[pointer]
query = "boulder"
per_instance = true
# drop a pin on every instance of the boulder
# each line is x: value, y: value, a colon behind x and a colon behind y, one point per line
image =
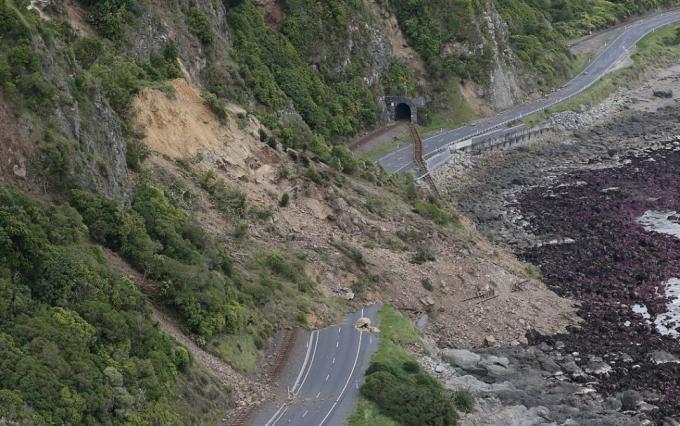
x: 598, y: 368
x: 613, y: 404
x: 461, y: 358
x: 363, y: 323
x: 489, y: 341
x: 630, y: 400
x: 665, y: 94
x: 498, y: 360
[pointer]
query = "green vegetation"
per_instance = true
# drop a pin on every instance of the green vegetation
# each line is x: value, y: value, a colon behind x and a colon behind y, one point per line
x: 659, y: 48
x: 399, y: 80
x: 199, y: 25
x: 275, y: 72
x: 431, y: 209
x: 159, y: 239
x: 449, y: 108
x: 77, y: 344
x: 430, y: 25
x: 464, y: 400
x: 285, y: 199
x: 397, y: 390
x: 396, y: 328
x: 109, y: 17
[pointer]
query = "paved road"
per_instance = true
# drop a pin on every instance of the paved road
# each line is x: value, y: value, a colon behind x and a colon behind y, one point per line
x: 402, y: 159
x: 326, y: 371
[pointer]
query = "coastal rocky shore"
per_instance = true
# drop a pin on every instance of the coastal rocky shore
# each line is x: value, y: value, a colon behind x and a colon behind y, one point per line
x: 597, y: 208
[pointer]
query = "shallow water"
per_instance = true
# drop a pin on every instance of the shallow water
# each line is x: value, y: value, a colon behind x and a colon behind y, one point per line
x: 667, y: 322
x: 659, y: 221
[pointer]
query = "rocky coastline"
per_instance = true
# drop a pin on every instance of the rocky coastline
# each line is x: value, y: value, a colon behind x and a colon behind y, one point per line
x: 595, y: 207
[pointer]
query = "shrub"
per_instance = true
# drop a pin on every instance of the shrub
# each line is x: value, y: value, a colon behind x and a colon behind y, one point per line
x: 109, y: 17
x: 59, y: 298
x: 285, y: 200
x: 260, y: 213
x: 163, y: 64
x: 411, y: 398
x: 215, y: 105
x: 314, y: 176
x: 229, y: 201
x: 135, y: 154
x: 432, y: 211
x: 423, y: 254
x: 464, y: 400
x: 199, y: 25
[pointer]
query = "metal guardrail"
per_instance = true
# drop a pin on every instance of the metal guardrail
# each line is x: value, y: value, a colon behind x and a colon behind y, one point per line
x: 549, y: 104
x: 420, y: 161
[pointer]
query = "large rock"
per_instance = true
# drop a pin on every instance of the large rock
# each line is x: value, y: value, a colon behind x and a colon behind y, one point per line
x: 479, y: 387
x: 461, y: 358
x: 630, y: 400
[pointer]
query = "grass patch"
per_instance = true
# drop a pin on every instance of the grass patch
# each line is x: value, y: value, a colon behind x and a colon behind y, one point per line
x: 238, y: 350
x: 453, y: 111
x: 383, y: 149
x: 660, y: 48
x: 396, y: 327
x: 202, y: 399
x: 367, y: 413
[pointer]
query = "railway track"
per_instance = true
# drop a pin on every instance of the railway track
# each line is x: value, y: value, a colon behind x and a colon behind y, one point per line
x: 420, y: 160
x: 241, y: 415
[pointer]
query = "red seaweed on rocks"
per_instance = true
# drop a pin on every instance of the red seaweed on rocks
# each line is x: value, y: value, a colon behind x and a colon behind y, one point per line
x: 613, y: 265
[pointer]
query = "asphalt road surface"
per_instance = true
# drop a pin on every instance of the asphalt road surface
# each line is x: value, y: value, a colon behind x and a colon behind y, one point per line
x: 323, y: 376
x: 402, y: 159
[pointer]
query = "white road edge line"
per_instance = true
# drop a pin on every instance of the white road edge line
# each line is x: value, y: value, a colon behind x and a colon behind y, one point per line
x: 351, y: 373
x: 601, y: 53
x: 276, y: 416
x: 310, y: 364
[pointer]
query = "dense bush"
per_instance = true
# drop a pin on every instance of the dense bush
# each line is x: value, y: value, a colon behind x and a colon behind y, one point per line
x: 215, y: 105
x: 397, y: 385
x: 199, y: 25
x: 109, y: 17
x: 399, y: 81
x: 160, y: 240
x: 431, y: 210
x: 77, y: 345
x: 275, y: 72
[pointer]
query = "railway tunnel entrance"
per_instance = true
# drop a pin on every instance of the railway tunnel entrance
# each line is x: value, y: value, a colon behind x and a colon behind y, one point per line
x: 400, y: 108
x: 402, y: 113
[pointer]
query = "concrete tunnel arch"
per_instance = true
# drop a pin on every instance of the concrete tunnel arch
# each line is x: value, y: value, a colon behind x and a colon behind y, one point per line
x: 400, y: 108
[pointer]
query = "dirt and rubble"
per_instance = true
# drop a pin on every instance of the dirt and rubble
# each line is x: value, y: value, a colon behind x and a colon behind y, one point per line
x: 594, y: 207
x: 359, y: 241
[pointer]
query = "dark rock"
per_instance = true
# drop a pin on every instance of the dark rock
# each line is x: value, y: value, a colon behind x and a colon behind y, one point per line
x: 666, y: 94
x: 630, y: 399
x: 613, y: 404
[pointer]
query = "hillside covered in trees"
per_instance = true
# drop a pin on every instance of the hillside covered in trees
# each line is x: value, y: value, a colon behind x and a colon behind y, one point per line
x: 216, y: 233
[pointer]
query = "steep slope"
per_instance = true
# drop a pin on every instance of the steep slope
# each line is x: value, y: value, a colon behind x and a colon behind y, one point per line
x: 201, y: 142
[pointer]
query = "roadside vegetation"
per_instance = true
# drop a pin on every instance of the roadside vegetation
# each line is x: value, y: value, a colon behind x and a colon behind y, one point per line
x: 396, y: 390
x: 77, y: 342
x: 658, y: 49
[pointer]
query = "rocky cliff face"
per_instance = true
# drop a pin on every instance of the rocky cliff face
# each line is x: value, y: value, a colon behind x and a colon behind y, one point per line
x: 508, y: 82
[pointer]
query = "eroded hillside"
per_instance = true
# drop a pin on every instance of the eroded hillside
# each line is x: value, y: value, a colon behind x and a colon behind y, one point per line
x: 178, y: 169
